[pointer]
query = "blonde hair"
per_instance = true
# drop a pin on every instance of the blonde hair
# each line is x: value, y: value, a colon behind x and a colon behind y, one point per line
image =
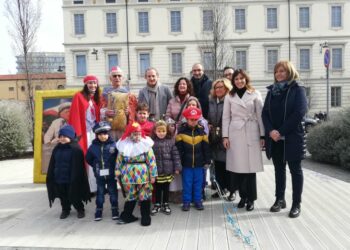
x: 161, y: 123
x: 292, y: 73
x: 225, y: 81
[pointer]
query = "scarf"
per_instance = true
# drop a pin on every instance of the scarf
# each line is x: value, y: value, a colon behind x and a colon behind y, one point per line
x: 153, y: 94
x: 279, y: 87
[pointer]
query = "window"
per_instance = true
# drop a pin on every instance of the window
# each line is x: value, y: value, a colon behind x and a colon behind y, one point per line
x: 208, y: 60
x: 304, y: 59
x: 241, y: 59
x: 271, y: 14
x: 336, y: 17
x: 11, y: 89
x: 304, y: 17
x: 335, y: 96
x: 145, y: 62
x: 112, y: 61
x: 272, y: 58
x: 208, y: 18
x: 143, y: 22
x: 110, y: 1
x: 176, y: 63
x: 79, y: 28
x: 337, y: 59
x: 175, y: 17
x: 111, y: 23
x: 80, y: 65
x: 240, y: 19
x: 78, y: 2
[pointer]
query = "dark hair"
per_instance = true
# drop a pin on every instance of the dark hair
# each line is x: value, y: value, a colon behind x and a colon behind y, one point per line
x: 86, y: 93
x: 142, y: 107
x: 228, y: 67
x: 189, y: 86
x: 247, y: 80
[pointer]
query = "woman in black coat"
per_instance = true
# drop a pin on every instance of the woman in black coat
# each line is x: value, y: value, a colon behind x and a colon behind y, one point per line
x: 283, y: 112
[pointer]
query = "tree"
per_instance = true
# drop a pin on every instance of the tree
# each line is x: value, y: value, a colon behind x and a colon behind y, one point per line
x: 24, y: 17
x: 215, y: 48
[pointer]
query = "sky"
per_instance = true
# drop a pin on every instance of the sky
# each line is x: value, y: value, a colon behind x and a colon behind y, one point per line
x: 49, y: 37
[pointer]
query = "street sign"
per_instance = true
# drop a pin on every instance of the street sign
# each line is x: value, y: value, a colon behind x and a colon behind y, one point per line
x: 327, y: 58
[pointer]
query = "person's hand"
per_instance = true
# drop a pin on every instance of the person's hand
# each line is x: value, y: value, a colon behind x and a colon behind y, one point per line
x: 110, y: 113
x: 206, y: 166
x: 226, y: 143
x: 153, y: 180
x: 177, y: 172
x: 54, y: 141
x: 275, y: 135
x: 126, y: 111
x: 262, y: 143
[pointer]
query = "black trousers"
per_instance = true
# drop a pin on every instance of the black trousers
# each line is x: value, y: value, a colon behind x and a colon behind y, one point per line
x: 245, y: 183
x: 62, y: 191
x: 221, y: 174
x: 280, y: 173
x: 162, y: 191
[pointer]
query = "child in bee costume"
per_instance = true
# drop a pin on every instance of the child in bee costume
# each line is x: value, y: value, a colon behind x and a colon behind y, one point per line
x: 136, y: 165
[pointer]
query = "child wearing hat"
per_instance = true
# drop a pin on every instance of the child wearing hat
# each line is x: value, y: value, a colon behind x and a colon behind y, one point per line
x: 66, y: 177
x: 192, y: 143
x: 102, y: 155
x: 136, y: 165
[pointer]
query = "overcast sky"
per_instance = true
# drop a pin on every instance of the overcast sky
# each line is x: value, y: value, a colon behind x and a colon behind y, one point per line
x: 49, y: 39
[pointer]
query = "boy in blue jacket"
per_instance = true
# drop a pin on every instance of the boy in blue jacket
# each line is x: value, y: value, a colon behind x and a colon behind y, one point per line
x: 102, y: 155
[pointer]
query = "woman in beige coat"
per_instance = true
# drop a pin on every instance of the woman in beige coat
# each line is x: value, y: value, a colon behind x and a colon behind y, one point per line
x: 243, y: 137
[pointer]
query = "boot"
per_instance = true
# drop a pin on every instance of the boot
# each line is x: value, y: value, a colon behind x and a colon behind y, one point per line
x: 146, y: 213
x: 126, y: 216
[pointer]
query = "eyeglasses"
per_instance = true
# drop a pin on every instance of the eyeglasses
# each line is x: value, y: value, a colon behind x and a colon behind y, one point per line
x: 219, y: 87
x: 115, y: 76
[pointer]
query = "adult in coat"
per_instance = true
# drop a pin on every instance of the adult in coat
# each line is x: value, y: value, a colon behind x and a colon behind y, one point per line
x: 243, y: 133
x: 84, y: 112
x: 221, y: 87
x: 156, y: 95
x: 284, y: 109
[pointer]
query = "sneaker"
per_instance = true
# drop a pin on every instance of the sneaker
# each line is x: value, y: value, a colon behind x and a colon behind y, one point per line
x: 81, y: 214
x: 64, y: 214
x: 98, y: 214
x: 115, y: 214
x: 186, y: 207
x: 120, y: 222
x: 166, y: 209
x: 155, y: 209
x: 199, y: 205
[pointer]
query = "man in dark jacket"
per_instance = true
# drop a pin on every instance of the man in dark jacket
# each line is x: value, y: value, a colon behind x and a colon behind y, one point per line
x: 201, y: 85
x: 66, y: 177
x: 102, y: 155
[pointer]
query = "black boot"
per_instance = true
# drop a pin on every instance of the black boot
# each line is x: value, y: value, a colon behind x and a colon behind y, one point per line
x: 146, y: 213
x: 126, y: 216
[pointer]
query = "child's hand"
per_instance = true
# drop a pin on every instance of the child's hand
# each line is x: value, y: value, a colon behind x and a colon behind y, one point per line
x: 177, y: 172
x: 153, y: 180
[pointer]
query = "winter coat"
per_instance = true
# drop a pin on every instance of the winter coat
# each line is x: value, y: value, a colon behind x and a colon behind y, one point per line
x: 102, y: 155
x: 202, y: 89
x: 79, y: 186
x: 243, y: 126
x: 292, y: 107
x: 164, y: 97
x: 193, y: 146
x: 167, y: 156
x: 215, y: 121
x: 174, y: 107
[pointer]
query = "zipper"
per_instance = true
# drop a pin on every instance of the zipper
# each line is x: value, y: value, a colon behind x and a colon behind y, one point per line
x: 193, y: 148
x: 102, y: 161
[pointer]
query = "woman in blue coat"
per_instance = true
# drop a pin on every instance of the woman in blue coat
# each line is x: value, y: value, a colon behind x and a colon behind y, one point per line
x: 284, y: 109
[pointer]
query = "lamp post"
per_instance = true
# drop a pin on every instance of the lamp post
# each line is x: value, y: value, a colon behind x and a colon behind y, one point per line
x: 326, y: 62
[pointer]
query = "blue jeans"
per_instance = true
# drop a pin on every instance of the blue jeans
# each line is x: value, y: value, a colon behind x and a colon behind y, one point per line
x: 192, y: 180
x: 112, y: 191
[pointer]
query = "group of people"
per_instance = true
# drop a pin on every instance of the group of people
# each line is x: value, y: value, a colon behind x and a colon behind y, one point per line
x: 171, y: 139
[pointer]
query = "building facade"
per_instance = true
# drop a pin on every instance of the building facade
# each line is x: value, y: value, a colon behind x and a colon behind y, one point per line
x: 42, y: 62
x: 171, y: 35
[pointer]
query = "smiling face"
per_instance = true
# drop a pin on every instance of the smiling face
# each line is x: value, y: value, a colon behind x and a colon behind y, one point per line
x: 151, y: 77
x: 281, y: 74
x: 197, y: 71
x: 161, y: 132
x: 142, y: 116
x: 182, y: 87
x: 220, y: 89
x: 92, y: 86
x: 240, y: 81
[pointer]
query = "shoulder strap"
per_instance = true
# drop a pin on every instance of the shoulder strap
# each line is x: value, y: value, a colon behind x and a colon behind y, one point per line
x: 179, y: 114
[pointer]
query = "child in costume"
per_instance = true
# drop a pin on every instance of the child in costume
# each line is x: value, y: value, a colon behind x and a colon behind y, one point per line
x: 168, y: 164
x: 102, y: 155
x: 142, y: 115
x: 137, y: 169
x: 66, y: 177
x: 193, y: 146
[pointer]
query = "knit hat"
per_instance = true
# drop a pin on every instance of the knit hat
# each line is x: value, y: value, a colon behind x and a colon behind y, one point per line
x: 63, y: 106
x: 192, y: 113
x: 101, y: 127
x: 90, y: 78
x: 67, y: 131
x: 116, y: 69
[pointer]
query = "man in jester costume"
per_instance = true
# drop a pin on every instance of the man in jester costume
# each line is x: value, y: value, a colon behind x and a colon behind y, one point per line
x: 137, y: 170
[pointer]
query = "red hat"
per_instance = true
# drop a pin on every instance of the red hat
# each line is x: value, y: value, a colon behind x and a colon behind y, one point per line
x: 131, y: 128
x: 90, y: 78
x: 192, y: 113
x: 116, y: 69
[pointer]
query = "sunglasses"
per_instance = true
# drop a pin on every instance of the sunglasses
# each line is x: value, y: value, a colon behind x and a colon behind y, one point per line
x: 114, y: 76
